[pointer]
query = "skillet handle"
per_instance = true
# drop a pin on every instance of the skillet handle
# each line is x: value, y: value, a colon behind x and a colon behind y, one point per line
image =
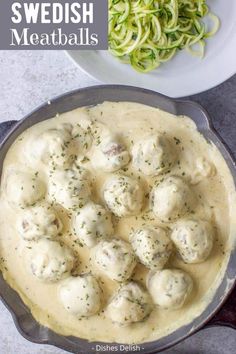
x: 5, y: 127
x: 226, y: 316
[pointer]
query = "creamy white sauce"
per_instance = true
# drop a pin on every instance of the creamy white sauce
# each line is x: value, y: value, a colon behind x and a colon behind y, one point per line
x: 198, y: 162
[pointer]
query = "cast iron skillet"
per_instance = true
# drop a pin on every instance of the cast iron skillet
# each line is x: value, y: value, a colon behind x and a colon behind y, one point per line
x: 221, y: 310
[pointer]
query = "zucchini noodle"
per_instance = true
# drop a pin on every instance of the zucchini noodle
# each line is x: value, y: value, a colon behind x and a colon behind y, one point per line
x: 146, y: 33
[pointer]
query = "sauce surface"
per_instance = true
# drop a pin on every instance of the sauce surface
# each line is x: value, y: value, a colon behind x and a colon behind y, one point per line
x: 215, y: 193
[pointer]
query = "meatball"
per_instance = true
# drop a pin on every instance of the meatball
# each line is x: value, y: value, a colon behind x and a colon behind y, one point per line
x: 81, y: 296
x: 69, y: 187
x: 130, y: 304
x: 123, y: 195
x: 193, y: 239
x: 169, y: 288
x: 152, y: 246
x: 24, y: 188
x: 110, y: 155
x: 203, y: 169
x: 50, y: 261
x: 92, y: 223
x: 171, y: 199
x: 82, y: 139
x: 115, y: 258
x: 152, y: 155
x: 52, y: 147
x: 38, y: 222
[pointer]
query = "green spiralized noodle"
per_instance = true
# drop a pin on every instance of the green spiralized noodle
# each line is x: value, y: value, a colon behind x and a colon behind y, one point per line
x: 146, y: 33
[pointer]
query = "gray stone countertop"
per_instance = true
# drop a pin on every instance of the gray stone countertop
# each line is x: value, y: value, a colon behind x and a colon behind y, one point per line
x: 28, y: 79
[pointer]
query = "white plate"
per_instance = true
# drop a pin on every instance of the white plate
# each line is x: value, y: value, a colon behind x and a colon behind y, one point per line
x: 184, y: 75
